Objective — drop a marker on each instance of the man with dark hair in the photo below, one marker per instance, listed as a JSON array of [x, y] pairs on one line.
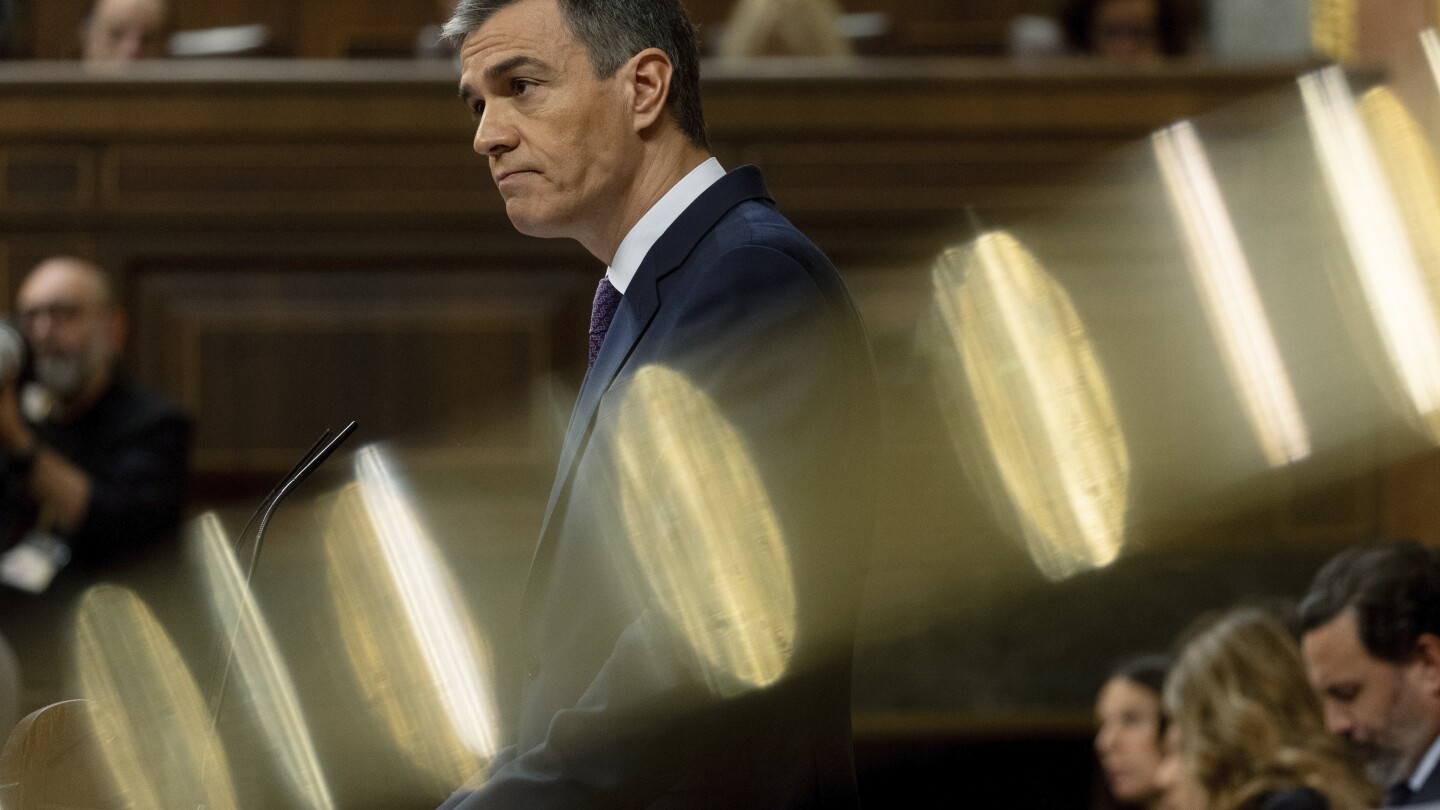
[[1370, 629], [689, 614]]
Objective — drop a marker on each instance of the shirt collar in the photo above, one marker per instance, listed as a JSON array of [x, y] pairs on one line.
[[1426, 766], [658, 219]]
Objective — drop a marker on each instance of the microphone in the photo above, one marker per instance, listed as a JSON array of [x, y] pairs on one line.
[[307, 464], [12, 352]]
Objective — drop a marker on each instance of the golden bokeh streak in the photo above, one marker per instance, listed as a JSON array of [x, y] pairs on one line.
[[1391, 278], [1334, 28], [262, 673], [1227, 292], [1414, 179], [703, 532], [160, 747], [384, 655], [1041, 399], [432, 606], [1430, 42], [419, 662]]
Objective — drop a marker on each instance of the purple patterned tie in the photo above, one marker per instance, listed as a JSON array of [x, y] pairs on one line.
[[607, 300]]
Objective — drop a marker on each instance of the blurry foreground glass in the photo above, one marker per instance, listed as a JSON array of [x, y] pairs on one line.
[[701, 533], [1014, 353], [1334, 28], [258, 672], [157, 737], [417, 657], [1227, 291], [1379, 171], [1430, 41]]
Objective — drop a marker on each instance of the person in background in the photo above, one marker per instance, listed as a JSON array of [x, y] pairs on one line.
[[1131, 727], [1128, 29], [92, 469], [120, 31], [1371, 638], [1246, 732]]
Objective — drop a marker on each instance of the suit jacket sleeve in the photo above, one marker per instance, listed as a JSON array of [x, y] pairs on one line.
[[764, 338]]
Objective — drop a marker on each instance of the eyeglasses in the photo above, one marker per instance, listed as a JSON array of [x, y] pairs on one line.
[[58, 312]]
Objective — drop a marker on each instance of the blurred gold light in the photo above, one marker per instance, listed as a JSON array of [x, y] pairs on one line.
[[159, 743], [1392, 279], [702, 532], [1041, 398], [1414, 179], [1334, 28], [1430, 41], [417, 657], [262, 675], [1227, 291]]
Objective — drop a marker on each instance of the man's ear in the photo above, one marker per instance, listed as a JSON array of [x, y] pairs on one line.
[[1427, 657], [649, 72]]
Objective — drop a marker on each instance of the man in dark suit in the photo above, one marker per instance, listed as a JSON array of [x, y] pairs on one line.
[[690, 609], [1371, 638]]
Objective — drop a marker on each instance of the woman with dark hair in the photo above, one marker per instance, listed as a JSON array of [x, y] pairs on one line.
[[1127, 29], [1131, 724]]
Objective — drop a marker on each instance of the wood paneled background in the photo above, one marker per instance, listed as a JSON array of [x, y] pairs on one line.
[[325, 29], [303, 243]]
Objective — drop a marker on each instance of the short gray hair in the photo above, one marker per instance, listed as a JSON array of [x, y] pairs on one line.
[[612, 31]]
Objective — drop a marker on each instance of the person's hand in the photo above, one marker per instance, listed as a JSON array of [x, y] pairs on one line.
[[15, 435]]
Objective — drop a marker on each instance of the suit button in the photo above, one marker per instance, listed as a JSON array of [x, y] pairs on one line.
[[532, 667]]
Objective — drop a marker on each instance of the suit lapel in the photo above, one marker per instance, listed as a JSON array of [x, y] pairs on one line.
[[632, 319]]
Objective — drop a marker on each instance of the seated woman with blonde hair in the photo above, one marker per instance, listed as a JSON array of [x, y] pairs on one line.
[[1246, 730]]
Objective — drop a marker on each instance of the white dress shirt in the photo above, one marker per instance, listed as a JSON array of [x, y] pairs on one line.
[[653, 225], [1426, 766]]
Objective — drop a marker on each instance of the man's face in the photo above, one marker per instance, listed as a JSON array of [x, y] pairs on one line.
[[125, 30], [1125, 29], [69, 325], [1387, 712], [562, 145]]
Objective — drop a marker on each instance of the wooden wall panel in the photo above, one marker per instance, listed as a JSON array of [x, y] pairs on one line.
[[295, 178], [233, 203], [447, 362], [326, 29], [54, 28], [337, 209], [42, 179]]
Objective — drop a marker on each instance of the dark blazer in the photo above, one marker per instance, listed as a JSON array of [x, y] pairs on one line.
[[1293, 799], [613, 711], [1429, 793]]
